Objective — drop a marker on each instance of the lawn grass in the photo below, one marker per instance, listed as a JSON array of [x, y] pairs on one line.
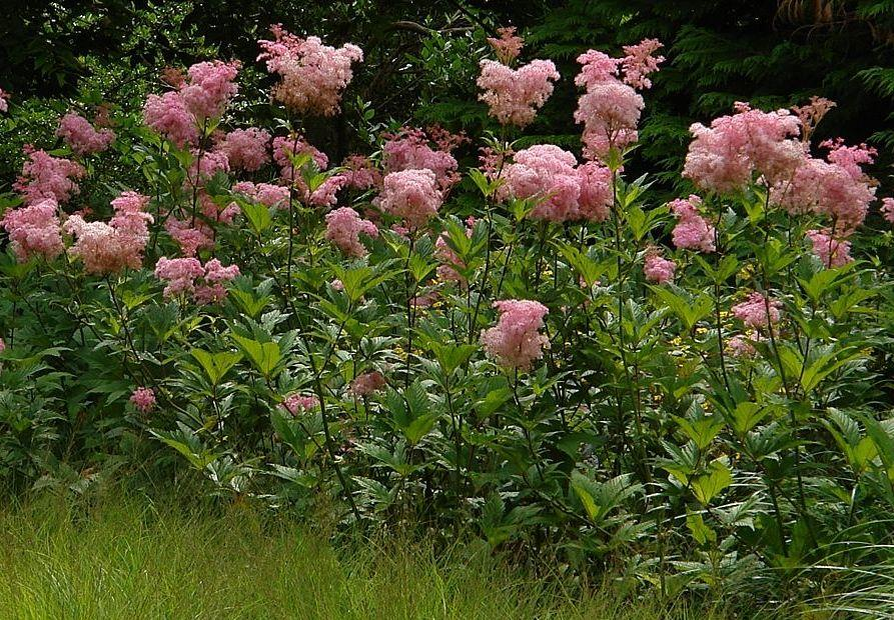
[[133, 559]]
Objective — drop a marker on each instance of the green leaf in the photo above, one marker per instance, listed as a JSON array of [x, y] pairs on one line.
[[708, 486], [265, 356], [216, 365]]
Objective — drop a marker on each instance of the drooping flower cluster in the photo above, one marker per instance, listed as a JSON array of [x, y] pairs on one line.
[[299, 403], [343, 228], [508, 46], [832, 251], [44, 176], [179, 114], [757, 311], [515, 95], [108, 248], [410, 149], [692, 231], [143, 399], [80, 135], [367, 383], [564, 191], [34, 230], [246, 149], [750, 143], [188, 276], [515, 341], [411, 195], [610, 108], [313, 75], [658, 269]]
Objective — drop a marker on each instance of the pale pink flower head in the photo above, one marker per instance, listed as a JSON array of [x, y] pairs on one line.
[[4, 100], [508, 46], [337, 285], [658, 269], [411, 195], [287, 148], [179, 273], [515, 95], [212, 289], [757, 311], [832, 251], [515, 341], [546, 173], [326, 195], [367, 383], [80, 135], [246, 149], [596, 195], [343, 228], [596, 67], [736, 149], [692, 231], [167, 115], [209, 88], [887, 209], [204, 165], [264, 193], [143, 399], [44, 176], [34, 230], [741, 347], [190, 236], [313, 75], [610, 111], [299, 403], [640, 62], [360, 173], [410, 149]]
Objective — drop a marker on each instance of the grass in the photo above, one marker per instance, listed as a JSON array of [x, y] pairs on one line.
[[134, 559]]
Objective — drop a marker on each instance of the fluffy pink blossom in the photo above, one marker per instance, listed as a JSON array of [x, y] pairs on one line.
[[757, 310], [217, 212], [299, 403], [34, 230], [167, 114], [888, 209], [831, 251], [143, 399], [209, 88], [410, 149], [313, 75], [326, 194], [508, 46], [515, 95], [658, 269], [735, 149], [343, 228], [44, 176], [188, 276], [610, 112], [360, 173], [264, 193], [596, 195], [692, 231], [596, 67], [640, 62], [108, 248], [190, 236], [337, 284], [79, 134], [547, 173], [741, 347], [204, 165], [4, 100], [211, 289], [367, 383], [411, 195], [426, 300], [246, 149], [515, 341]]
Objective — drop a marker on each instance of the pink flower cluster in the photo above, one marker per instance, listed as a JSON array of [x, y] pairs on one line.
[[299, 403], [190, 236], [360, 173], [411, 195], [728, 155], [143, 399], [246, 149], [887, 209], [44, 176], [343, 228], [34, 230], [108, 248], [313, 75], [508, 46], [658, 269], [178, 114], [4, 100], [515, 341], [758, 311], [565, 191], [832, 252], [610, 109], [367, 383], [692, 231], [515, 95], [204, 165], [264, 193], [79, 134], [410, 149], [189, 276]]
